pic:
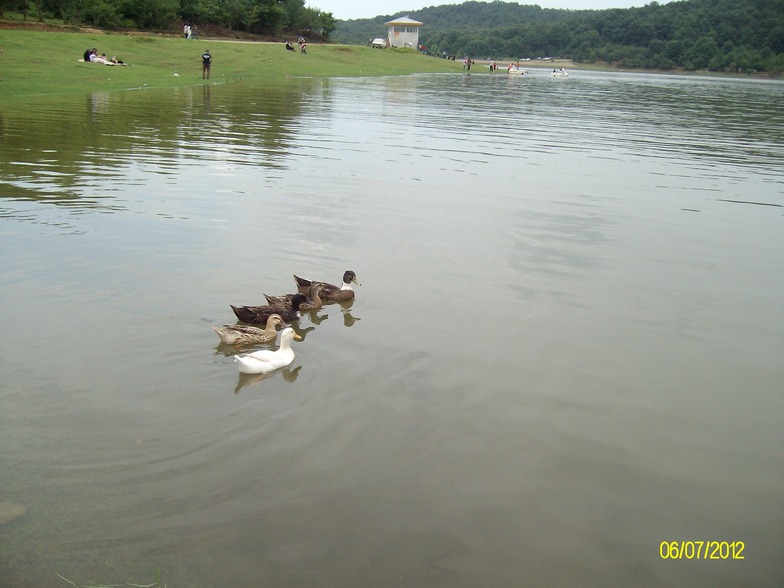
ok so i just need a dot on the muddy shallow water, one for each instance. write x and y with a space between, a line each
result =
566 349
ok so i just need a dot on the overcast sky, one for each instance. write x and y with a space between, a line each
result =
348 9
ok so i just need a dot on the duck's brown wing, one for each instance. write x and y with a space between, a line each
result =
337 295
283 301
258 315
244 313
245 329
303 285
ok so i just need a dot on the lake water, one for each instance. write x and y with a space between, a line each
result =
568 345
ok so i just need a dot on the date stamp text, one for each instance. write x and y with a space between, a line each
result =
702 549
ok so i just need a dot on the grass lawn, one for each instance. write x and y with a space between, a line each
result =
41 62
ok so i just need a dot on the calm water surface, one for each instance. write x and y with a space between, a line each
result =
567 347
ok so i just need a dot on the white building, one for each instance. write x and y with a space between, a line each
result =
403 32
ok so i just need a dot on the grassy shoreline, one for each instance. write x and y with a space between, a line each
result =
36 62
43 62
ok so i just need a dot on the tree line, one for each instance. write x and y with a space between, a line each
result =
263 17
717 35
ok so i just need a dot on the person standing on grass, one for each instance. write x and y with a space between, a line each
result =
206 62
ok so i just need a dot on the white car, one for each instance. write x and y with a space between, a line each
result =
378 43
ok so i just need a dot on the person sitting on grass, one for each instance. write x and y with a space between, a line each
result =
102 59
95 58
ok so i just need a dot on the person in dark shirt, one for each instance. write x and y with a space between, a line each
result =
206 62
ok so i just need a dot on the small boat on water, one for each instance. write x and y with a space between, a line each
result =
560 73
516 71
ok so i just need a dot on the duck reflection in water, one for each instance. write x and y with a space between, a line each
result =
287 373
348 318
345 310
315 318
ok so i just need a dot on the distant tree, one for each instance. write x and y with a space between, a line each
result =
271 16
674 50
701 53
294 13
99 13
252 17
206 11
39 7
19 6
325 23
188 10
775 38
239 14
149 14
775 64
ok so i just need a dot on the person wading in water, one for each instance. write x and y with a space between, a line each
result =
206 62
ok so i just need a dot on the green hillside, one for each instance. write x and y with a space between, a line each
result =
718 35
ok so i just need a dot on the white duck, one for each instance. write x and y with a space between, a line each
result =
265 360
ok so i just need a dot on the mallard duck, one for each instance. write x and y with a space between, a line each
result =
330 292
314 301
267 360
260 314
243 334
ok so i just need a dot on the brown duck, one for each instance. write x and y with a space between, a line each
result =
245 334
314 301
259 314
330 292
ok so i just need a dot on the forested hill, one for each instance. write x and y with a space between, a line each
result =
719 35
